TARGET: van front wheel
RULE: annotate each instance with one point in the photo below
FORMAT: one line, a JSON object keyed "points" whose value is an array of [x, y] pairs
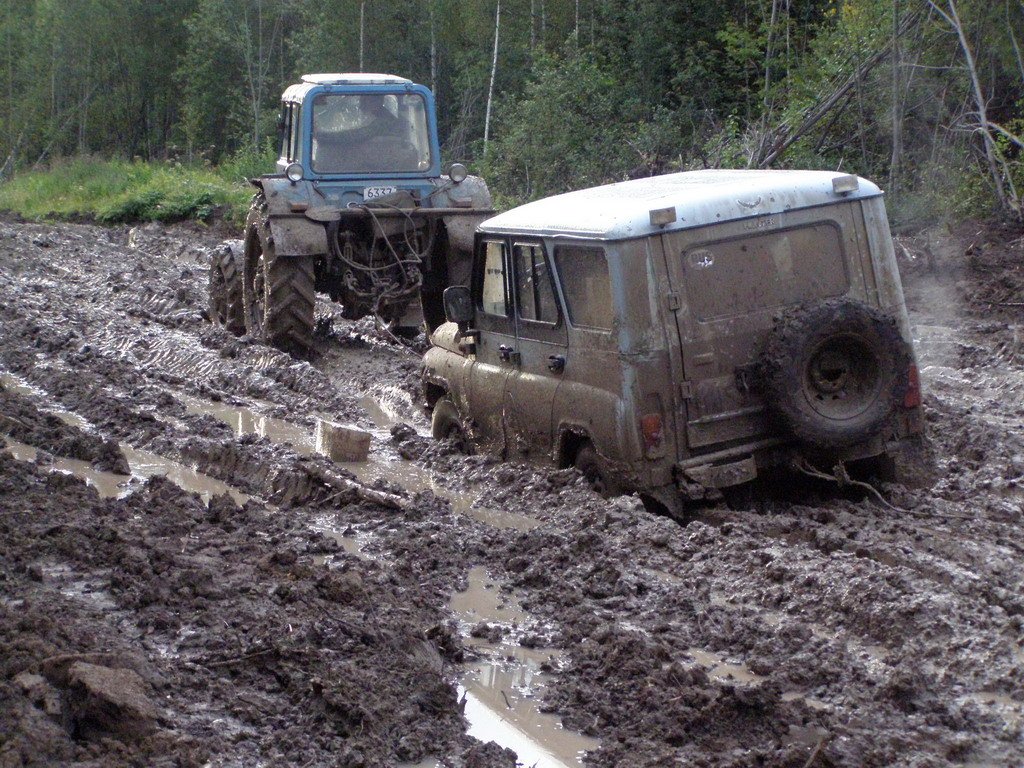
{"points": [[445, 424]]}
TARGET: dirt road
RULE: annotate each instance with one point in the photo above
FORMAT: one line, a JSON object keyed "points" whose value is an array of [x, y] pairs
{"points": [[262, 606]]}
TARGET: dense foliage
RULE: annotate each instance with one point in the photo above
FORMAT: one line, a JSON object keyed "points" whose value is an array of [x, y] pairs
{"points": [[927, 97]]}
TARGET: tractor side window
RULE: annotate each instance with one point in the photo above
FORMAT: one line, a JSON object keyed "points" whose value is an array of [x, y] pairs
{"points": [[534, 291], [583, 272], [494, 286], [286, 130], [295, 124]]}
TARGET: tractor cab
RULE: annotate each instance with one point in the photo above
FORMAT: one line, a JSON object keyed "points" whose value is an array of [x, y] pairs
{"points": [[358, 210], [342, 130]]}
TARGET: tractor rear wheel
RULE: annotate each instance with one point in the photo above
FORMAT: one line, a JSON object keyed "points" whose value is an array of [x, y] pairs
{"points": [[279, 293], [226, 303]]}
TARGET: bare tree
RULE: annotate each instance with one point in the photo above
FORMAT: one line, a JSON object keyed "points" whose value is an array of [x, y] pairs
{"points": [[1002, 181], [257, 54], [494, 71], [362, 32]]}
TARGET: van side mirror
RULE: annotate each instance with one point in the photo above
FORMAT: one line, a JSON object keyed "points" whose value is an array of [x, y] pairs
{"points": [[458, 306]]}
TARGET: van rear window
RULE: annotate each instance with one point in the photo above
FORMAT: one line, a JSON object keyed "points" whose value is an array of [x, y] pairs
{"points": [[764, 271]]}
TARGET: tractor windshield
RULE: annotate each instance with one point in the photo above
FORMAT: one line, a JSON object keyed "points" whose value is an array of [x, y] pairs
{"points": [[370, 133]]}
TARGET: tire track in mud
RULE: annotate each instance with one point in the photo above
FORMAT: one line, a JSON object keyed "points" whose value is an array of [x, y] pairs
{"points": [[876, 637]]}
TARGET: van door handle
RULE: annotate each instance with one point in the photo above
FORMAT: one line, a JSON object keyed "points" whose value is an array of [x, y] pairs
{"points": [[556, 363], [507, 354]]}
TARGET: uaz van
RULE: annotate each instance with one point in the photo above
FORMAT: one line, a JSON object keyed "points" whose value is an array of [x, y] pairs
{"points": [[681, 334]]}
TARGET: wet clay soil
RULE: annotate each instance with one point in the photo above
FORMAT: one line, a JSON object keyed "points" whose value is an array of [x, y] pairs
{"points": [[267, 607]]}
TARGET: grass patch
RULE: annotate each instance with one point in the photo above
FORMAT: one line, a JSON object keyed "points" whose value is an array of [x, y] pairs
{"points": [[112, 191]]}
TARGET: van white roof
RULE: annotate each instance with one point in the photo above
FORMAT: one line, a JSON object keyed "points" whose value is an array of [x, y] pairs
{"points": [[621, 211], [298, 91]]}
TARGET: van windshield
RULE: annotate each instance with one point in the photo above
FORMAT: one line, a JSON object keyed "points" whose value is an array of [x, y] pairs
{"points": [[370, 133]]}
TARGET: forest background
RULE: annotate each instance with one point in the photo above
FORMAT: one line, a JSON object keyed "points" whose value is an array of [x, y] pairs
{"points": [[153, 106]]}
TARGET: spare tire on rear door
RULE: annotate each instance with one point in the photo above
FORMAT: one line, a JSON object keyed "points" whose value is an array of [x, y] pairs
{"points": [[835, 372]]}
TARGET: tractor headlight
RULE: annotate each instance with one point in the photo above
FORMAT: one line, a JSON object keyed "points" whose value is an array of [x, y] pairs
{"points": [[457, 172], [294, 172]]}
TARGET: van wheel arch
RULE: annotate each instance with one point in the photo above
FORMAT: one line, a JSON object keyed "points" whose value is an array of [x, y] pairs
{"points": [[576, 449], [570, 442], [446, 424], [432, 393]]}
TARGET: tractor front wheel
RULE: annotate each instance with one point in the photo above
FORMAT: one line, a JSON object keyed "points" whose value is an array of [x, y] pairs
{"points": [[279, 293]]}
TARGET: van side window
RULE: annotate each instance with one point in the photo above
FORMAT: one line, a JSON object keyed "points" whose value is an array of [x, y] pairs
{"points": [[583, 271], [534, 291], [494, 288]]}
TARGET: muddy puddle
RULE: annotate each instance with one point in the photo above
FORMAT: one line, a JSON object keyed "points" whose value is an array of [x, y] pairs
{"points": [[351, 541], [503, 691], [1008, 708], [143, 464], [383, 463]]}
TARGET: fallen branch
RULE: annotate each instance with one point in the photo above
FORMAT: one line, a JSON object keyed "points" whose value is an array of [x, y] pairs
{"points": [[819, 110], [235, 659], [343, 485]]}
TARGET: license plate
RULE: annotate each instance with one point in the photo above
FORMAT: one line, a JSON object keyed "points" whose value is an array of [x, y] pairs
{"points": [[371, 193]]}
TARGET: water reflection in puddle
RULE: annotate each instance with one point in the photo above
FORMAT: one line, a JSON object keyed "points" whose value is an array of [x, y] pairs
{"points": [[723, 670], [245, 421], [502, 693]]}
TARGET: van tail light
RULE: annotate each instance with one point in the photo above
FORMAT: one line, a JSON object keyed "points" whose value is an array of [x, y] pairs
{"points": [[653, 431], [912, 399]]}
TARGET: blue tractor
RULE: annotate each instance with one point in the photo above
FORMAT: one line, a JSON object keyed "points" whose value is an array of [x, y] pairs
{"points": [[358, 209]]}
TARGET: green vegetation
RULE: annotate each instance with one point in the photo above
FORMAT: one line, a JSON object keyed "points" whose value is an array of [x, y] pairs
{"points": [[113, 191], [924, 97]]}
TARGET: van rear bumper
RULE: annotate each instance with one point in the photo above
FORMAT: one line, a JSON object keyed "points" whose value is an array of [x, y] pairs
{"points": [[743, 463]]}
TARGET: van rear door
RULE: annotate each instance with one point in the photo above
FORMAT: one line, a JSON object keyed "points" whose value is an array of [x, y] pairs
{"points": [[727, 284]]}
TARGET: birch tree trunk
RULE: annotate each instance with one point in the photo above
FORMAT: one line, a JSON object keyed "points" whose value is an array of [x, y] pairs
{"points": [[897, 104], [362, 31], [433, 49], [494, 71], [533, 24]]}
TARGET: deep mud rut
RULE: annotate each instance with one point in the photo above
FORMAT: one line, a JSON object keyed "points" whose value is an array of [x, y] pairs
{"points": [[262, 606]]}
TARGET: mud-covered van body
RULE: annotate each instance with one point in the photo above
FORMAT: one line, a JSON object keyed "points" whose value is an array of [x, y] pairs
{"points": [[680, 334]]}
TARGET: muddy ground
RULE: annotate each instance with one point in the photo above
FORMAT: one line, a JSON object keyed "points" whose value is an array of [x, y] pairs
{"points": [[266, 607]]}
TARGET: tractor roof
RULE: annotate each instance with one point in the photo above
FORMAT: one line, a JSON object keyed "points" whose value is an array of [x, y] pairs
{"points": [[677, 201], [298, 91]]}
